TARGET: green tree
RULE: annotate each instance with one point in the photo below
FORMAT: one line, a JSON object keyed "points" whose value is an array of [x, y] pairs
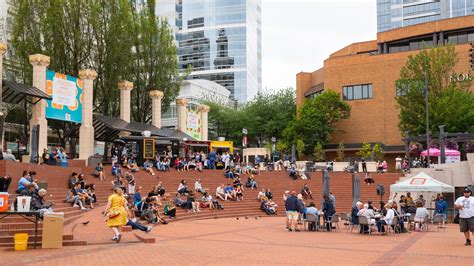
{"points": [[115, 38], [366, 151], [317, 119], [450, 101], [340, 152], [265, 117], [155, 64], [318, 152], [378, 152], [300, 148]]}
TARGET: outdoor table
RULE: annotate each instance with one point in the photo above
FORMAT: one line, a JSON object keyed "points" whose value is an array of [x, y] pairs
{"points": [[25, 215]]}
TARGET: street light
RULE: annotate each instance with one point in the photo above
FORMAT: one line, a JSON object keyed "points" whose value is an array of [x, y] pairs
{"points": [[427, 122]]}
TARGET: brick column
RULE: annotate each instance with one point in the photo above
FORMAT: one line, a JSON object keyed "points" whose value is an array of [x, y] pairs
{"points": [[38, 113], [204, 122], [86, 131], [182, 116], [125, 88], [156, 97]]}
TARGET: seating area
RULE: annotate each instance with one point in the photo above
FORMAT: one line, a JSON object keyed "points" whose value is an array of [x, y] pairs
{"points": [[57, 188]]}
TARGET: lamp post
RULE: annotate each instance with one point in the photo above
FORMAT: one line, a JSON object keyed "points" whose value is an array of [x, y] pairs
{"points": [[441, 144], [273, 139], [427, 122]]}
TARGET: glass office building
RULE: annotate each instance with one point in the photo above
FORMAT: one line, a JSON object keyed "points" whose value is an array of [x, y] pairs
{"points": [[220, 40], [392, 14]]}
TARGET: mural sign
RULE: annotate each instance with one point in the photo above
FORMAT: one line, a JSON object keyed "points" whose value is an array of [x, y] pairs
{"points": [[194, 124], [66, 92]]}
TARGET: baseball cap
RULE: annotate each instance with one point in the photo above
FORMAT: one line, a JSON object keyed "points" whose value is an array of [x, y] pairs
{"points": [[467, 189]]}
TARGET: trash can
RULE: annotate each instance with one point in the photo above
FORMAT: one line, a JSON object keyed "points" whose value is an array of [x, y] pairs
{"points": [[21, 241], [3, 201], [53, 230], [92, 161]]}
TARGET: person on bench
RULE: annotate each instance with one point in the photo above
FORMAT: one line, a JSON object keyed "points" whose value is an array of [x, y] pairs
{"points": [[182, 188], [198, 186], [148, 167], [99, 172], [251, 182], [178, 201], [170, 209], [230, 192], [220, 193], [5, 182], [74, 199], [24, 181], [206, 201], [39, 204], [306, 192], [132, 222]]}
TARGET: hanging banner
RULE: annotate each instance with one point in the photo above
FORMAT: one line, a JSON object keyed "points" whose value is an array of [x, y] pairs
{"points": [[194, 124], [66, 92]]}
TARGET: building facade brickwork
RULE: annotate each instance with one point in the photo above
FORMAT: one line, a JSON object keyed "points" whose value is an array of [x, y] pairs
{"points": [[375, 66]]}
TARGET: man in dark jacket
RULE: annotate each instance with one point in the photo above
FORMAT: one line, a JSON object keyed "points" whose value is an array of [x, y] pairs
{"points": [[38, 203], [292, 211]]}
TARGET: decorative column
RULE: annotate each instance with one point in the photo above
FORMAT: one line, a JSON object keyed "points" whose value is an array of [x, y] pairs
{"points": [[156, 97], [125, 88], [204, 121], [3, 50], [38, 111], [86, 131], [182, 116]]}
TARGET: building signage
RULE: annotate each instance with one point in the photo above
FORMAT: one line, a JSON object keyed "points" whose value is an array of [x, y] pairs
{"points": [[194, 124], [66, 92], [461, 77]]}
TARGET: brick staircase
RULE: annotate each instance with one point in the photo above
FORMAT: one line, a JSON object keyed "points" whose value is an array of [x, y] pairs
{"points": [[278, 182]]}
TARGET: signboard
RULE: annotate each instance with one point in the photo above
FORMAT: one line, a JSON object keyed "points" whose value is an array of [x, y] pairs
{"points": [[66, 92], [194, 124]]}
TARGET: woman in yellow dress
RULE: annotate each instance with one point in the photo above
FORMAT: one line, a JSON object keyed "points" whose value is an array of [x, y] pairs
{"points": [[116, 212]]}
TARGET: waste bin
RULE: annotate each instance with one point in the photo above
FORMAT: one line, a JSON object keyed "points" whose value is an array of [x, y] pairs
{"points": [[53, 230], [21, 241], [3, 201], [92, 161]]}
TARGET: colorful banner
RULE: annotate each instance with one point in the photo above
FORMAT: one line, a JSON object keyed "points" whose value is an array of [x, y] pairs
{"points": [[194, 124], [66, 92]]}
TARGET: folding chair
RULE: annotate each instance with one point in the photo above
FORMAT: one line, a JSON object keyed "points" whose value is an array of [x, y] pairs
{"points": [[310, 218]]}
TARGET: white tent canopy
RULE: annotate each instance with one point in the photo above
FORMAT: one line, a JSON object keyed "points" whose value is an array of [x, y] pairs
{"points": [[421, 183]]}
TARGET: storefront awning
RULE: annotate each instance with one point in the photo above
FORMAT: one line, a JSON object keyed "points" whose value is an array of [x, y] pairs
{"points": [[107, 128], [173, 133], [15, 92]]}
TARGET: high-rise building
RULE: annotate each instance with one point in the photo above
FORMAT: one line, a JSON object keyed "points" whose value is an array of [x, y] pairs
{"points": [[393, 14], [220, 40], [7, 11]]}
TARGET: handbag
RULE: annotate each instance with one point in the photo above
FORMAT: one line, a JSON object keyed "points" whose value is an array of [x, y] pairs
{"points": [[456, 219], [113, 213]]}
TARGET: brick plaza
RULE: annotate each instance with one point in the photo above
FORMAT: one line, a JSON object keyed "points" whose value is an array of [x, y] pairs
{"points": [[251, 241]]}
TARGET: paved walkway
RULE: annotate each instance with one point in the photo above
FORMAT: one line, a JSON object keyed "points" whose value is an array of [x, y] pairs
{"points": [[255, 241]]}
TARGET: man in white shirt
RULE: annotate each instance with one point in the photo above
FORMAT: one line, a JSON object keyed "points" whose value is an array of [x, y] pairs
{"points": [[465, 205]]}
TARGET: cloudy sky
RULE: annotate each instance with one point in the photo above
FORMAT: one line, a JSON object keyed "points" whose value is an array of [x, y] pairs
{"points": [[297, 35]]}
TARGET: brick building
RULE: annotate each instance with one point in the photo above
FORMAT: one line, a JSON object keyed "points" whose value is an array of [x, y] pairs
{"points": [[364, 74]]}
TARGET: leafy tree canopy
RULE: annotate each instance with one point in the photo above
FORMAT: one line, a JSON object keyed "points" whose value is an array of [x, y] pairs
{"points": [[450, 101], [317, 119]]}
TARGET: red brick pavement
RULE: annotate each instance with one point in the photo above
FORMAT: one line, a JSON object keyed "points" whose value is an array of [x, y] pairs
{"points": [[251, 241]]}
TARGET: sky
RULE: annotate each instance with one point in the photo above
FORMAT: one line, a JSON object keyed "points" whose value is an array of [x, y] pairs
{"points": [[298, 35]]}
